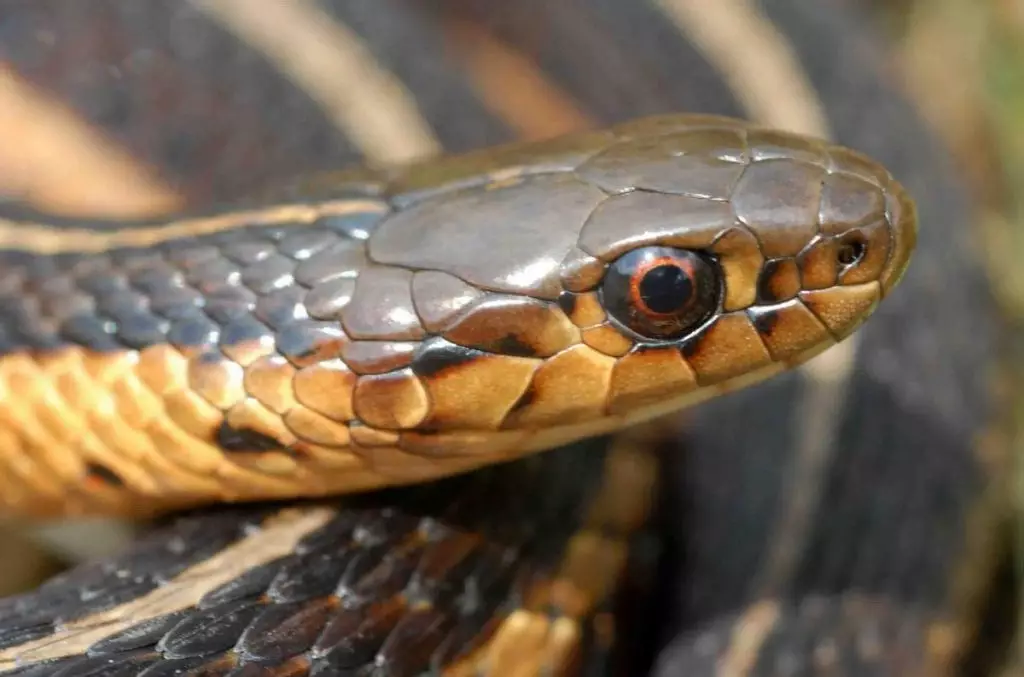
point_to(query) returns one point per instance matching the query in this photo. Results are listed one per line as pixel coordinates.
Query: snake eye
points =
(660, 292)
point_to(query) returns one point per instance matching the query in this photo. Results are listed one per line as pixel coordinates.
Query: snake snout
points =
(901, 213)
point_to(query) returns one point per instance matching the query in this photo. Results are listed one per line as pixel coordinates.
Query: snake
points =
(368, 409)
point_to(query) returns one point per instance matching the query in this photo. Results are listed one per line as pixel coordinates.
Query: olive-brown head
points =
(680, 258)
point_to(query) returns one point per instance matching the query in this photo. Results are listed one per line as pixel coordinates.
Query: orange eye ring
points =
(661, 293)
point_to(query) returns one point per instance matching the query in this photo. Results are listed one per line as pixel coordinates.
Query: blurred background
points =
(121, 108)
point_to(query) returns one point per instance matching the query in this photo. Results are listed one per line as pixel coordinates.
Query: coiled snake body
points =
(368, 330)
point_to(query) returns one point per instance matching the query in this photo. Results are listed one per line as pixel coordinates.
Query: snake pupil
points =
(666, 288)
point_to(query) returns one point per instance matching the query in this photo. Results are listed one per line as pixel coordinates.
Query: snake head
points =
(634, 272)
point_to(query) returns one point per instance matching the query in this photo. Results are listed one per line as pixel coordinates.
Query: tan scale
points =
(842, 308)
(220, 381)
(570, 387)
(728, 348)
(392, 401)
(587, 310)
(193, 413)
(252, 415)
(269, 380)
(741, 260)
(649, 375)
(790, 326)
(309, 426)
(479, 393)
(607, 339)
(327, 388)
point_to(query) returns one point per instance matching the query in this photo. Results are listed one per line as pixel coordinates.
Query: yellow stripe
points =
(53, 160)
(330, 62)
(748, 636)
(512, 86)
(43, 239)
(754, 58)
(277, 537)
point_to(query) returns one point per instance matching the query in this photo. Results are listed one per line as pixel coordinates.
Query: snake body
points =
(365, 330)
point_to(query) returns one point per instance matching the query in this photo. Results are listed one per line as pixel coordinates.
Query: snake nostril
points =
(851, 252)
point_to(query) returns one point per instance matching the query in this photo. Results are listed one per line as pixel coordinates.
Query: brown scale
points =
(779, 281)
(514, 325)
(581, 271)
(779, 200)
(327, 300)
(439, 297)
(384, 289)
(530, 228)
(377, 357)
(819, 264)
(671, 220)
(787, 328)
(701, 163)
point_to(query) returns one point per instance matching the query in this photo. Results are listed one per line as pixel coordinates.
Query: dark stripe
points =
(618, 59)
(410, 43)
(175, 90)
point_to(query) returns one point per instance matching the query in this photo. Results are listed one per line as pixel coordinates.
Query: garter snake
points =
(367, 330)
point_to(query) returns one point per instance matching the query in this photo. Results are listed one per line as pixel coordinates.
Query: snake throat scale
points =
(365, 330)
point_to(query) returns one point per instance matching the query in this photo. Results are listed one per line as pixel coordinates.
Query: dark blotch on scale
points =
(245, 440)
(764, 319)
(104, 474)
(437, 354)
